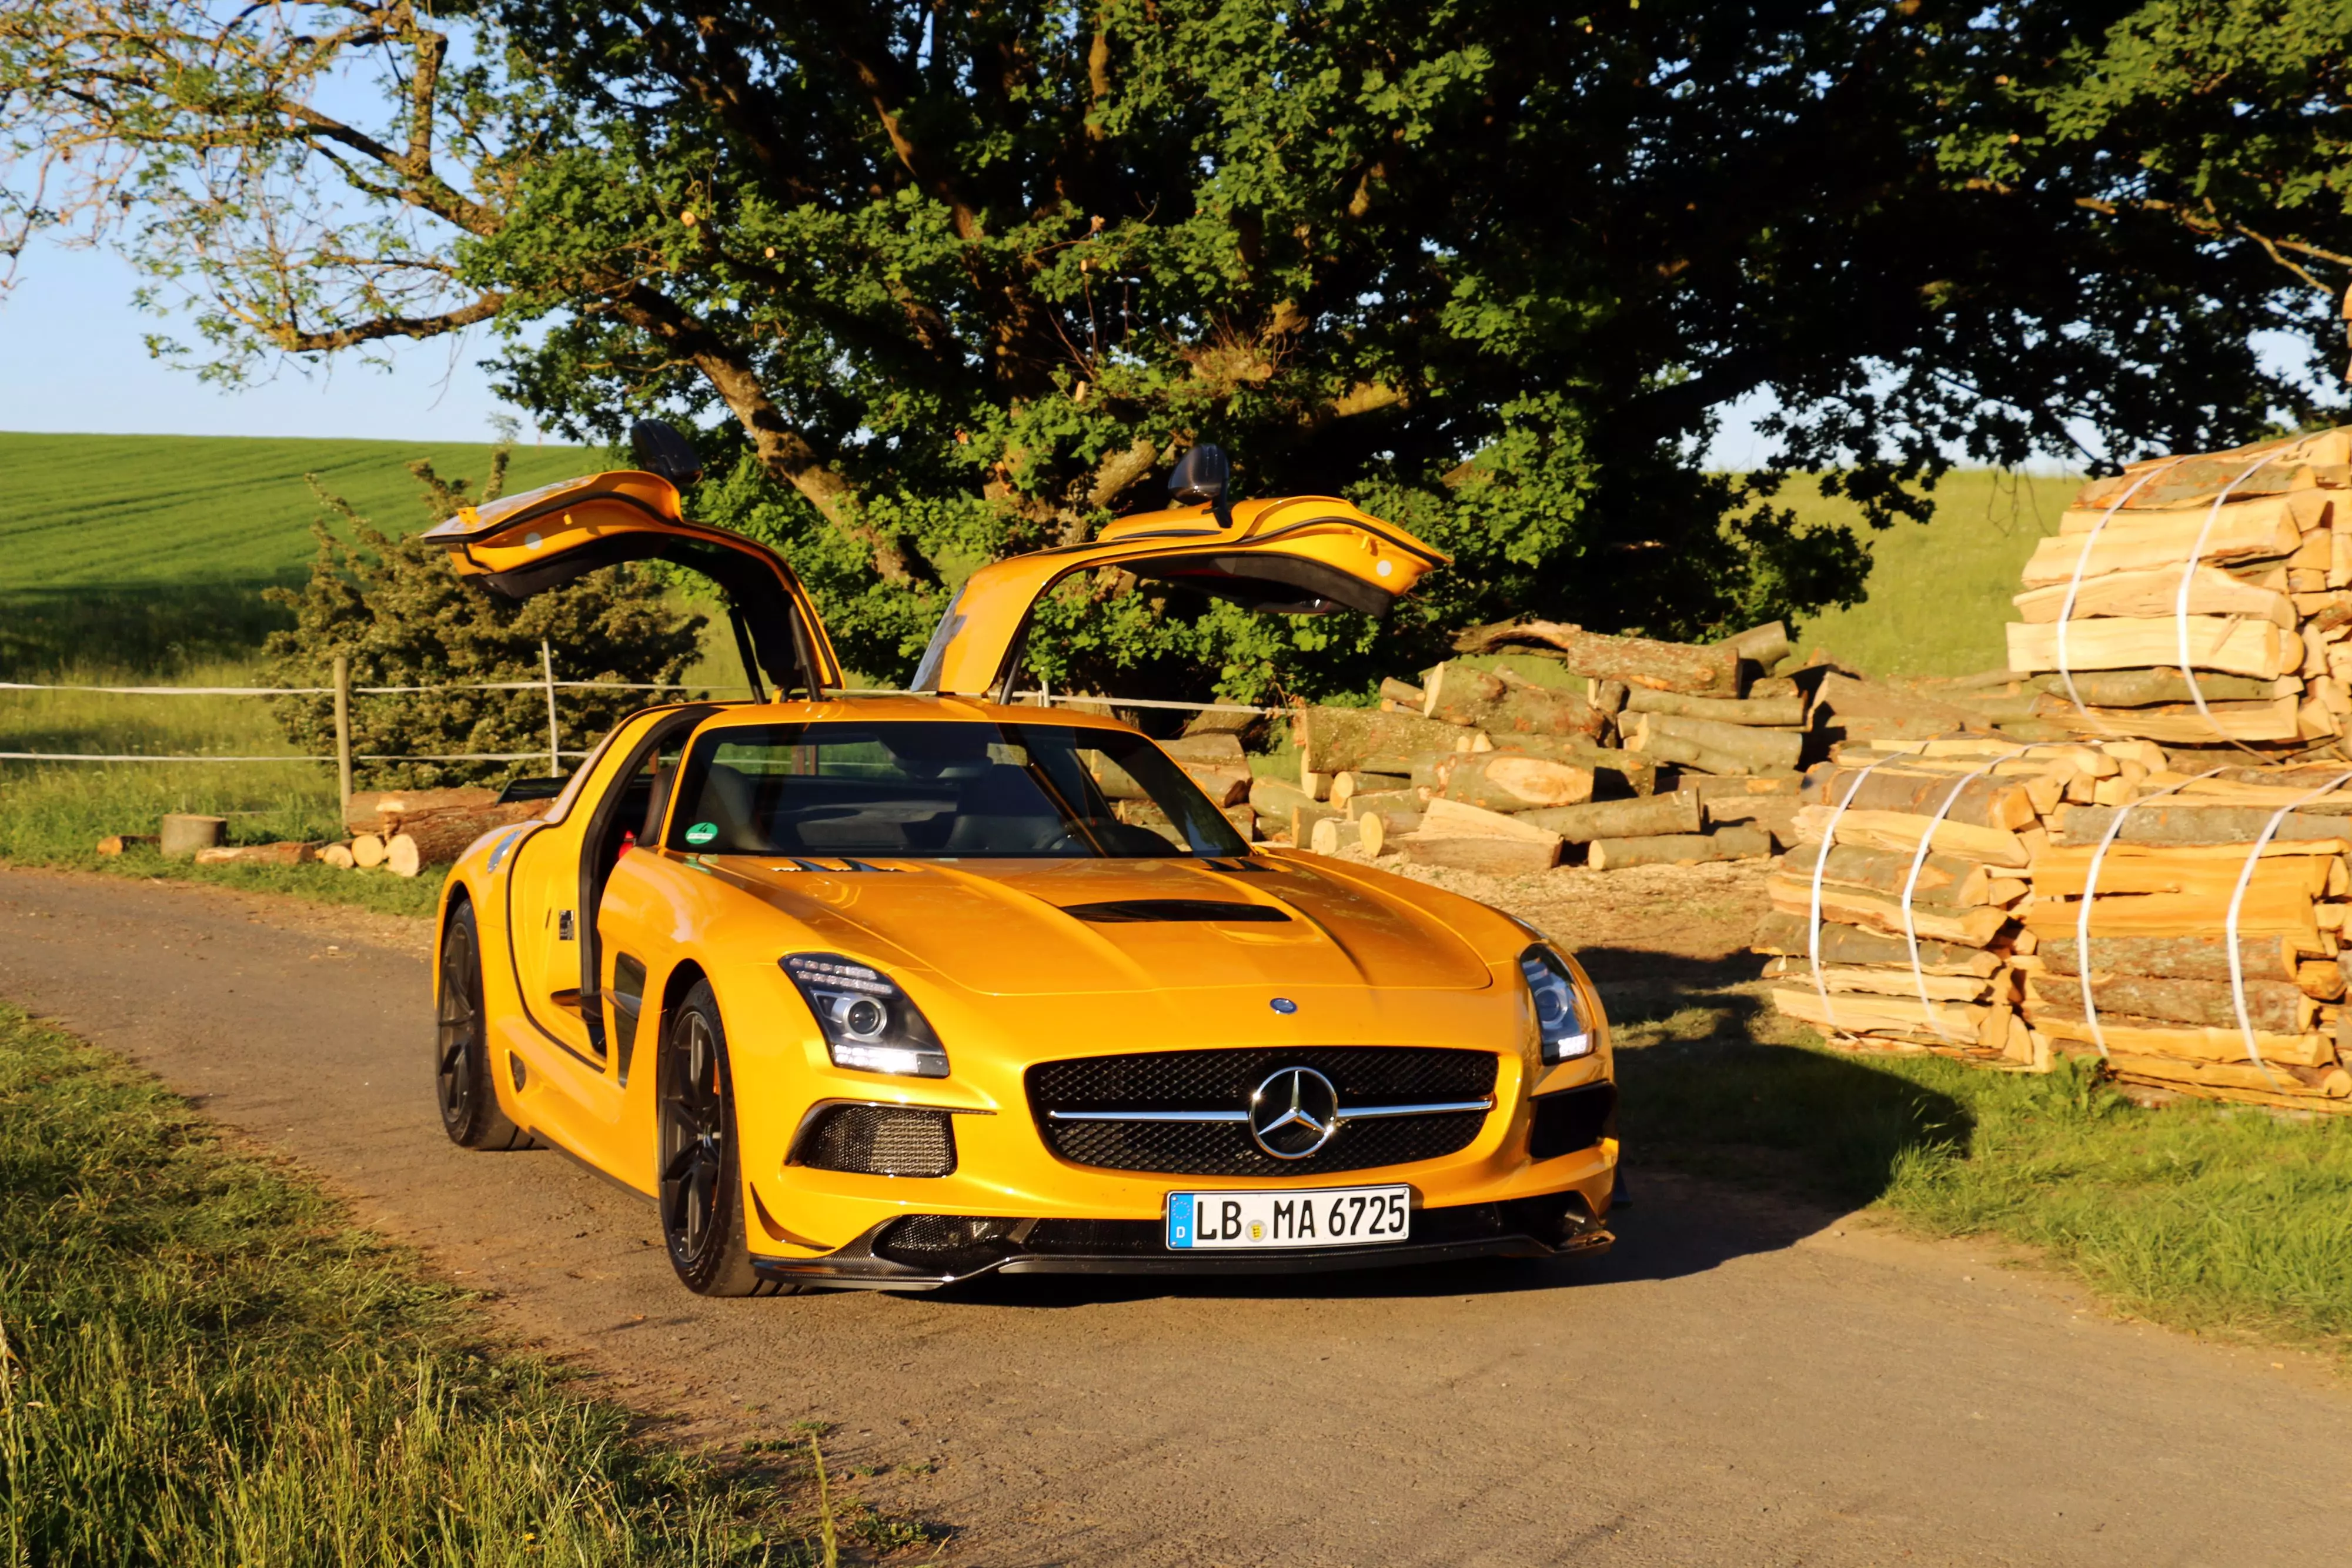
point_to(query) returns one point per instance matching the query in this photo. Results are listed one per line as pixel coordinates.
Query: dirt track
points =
(1738, 1382)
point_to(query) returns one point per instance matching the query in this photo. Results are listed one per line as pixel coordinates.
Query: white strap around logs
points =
(2238, 898)
(2188, 580)
(2090, 891)
(1919, 858)
(1821, 865)
(2075, 589)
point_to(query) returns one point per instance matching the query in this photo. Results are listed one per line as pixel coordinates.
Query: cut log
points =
(1787, 712)
(2155, 543)
(117, 844)
(2254, 648)
(1858, 1014)
(1501, 703)
(1406, 799)
(443, 823)
(2210, 870)
(367, 851)
(1760, 751)
(1303, 818)
(337, 855)
(2155, 1038)
(1903, 830)
(1213, 749)
(1880, 982)
(1407, 696)
(1764, 645)
(1345, 786)
(379, 812)
(2276, 1006)
(1333, 834)
(183, 835)
(257, 855)
(1335, 739)
(1845, 699)
(1642, 817)
(1943, 880)
(2211, 592)
(1637, 774)
(2150, 688)
(1850, 906)
(1314, 786)
(1680, 849)
(1635, 661)
(1384, 827)
(2304, 510)
(1453, 819)
(1673, 751)
(2183, 824)
(1276, 800)
(2285, 1079)
(2176, 958)
(1506, 781)
(1788, 934)
(2281, 910)
(2181, 723)
(1213, 723)
(1225, 785)
(1495, 857)
(1993, 802)
(401, 856)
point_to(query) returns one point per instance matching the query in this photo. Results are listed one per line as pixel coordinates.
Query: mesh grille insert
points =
(1221, 1081)
(879, 1140)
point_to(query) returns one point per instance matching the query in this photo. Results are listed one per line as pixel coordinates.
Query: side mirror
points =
(659, 448)
(1203, 475)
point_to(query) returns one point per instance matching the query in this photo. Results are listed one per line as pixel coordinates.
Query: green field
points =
(1938, 593)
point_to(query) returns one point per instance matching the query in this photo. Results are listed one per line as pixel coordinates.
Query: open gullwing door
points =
(521, 545)
(1302, 555)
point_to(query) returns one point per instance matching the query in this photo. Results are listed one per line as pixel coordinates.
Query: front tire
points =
(701, 1173)
(470, 1112)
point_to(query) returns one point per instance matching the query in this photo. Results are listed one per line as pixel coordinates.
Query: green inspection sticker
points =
(701, 832)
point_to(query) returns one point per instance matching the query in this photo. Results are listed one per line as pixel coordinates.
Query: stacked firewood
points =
(1899, 921)
(405, 831)
(1630, 751)
(2165, 1007)
(2202, 601)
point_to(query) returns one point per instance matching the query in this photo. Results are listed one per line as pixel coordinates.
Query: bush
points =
(405, 619)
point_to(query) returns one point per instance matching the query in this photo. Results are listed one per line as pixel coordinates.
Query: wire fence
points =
(554, 755)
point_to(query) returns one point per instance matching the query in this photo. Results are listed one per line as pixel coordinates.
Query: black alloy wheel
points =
(470, 1112)
(702, 1175)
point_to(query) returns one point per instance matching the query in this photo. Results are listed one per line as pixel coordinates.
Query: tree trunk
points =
(1642, 817)
(1637, 773)
(1503, 782)
(1503, 704)
(367, 851)
(1636, 661)
(1781, 712)
(1216, 749)
(1764, 645)
(257, 855)
(1676, 752)
(1680, 849)
(1763, 751)
(1402, 696)
(2172, 957)
(402, 855)
(1335, 739)
(1345, 786)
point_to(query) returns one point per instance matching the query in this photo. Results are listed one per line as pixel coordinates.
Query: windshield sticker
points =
(701, 832)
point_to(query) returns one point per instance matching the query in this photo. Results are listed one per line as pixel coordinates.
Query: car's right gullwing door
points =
(1302, 555)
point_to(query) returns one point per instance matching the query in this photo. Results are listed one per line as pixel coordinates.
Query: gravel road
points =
(1739, 1382)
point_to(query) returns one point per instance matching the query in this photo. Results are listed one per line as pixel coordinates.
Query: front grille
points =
(879, 1140)
(1573, 1120)
(1365, 1076)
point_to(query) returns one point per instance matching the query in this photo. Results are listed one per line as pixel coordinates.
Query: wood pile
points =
(1911, 889)
(2202, 601)
(2165, 1005)
(1628, 751)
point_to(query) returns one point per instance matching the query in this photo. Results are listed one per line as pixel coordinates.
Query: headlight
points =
(869, 1023)
(1558, 1019)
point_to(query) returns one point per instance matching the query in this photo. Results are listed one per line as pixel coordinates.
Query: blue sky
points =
(73, 358)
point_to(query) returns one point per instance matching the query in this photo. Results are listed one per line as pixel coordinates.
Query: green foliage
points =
(405, 619)
(201, 1363)
(947, 283)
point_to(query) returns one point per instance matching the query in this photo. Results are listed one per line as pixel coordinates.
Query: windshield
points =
(940, 789)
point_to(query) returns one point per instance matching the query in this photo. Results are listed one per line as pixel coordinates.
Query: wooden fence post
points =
(343, 730)
(555, 736)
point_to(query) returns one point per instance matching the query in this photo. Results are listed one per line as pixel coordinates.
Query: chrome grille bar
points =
(1345, 1113)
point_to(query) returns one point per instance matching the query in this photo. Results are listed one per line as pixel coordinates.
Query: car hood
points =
(1042, 928)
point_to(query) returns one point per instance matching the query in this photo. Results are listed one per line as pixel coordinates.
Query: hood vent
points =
(1135, 911)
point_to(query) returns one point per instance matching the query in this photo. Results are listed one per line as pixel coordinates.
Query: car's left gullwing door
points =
(1302, 555)
(521, 545)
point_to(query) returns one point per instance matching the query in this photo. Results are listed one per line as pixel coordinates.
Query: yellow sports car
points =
(896, 991)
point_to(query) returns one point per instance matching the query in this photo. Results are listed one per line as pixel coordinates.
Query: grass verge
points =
(2209, 1218)
(203, 1363)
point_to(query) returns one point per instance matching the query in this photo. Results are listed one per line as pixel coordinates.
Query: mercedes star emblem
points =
(1294, 1113)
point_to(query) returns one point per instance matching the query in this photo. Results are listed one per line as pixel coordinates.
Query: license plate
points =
(1338, 1216)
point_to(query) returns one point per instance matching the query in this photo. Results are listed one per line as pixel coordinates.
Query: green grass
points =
(150, 552)
(2209, 1218)
(206, 1363)
(1938, 594)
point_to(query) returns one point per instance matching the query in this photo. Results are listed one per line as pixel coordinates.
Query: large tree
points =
(944, 282)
